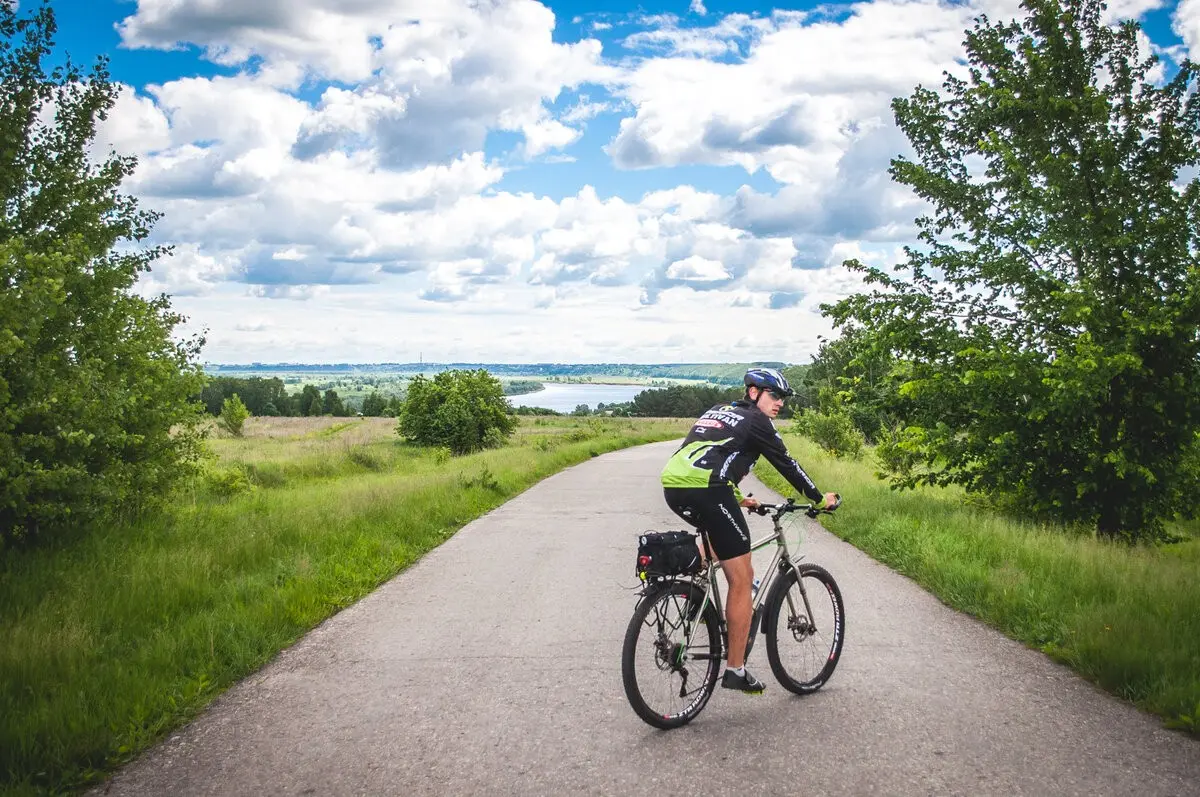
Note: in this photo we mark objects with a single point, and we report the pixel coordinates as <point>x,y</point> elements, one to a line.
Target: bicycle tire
<point>669,603</point>
<point>783,625</point>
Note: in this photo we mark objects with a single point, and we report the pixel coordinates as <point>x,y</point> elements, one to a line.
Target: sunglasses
<point>776,395</point>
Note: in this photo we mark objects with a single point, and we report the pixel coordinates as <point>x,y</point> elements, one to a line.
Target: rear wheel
<point>804,637</point>
<point>671,656</point>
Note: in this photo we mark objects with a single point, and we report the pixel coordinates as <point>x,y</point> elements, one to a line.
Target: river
<point>566,396</point>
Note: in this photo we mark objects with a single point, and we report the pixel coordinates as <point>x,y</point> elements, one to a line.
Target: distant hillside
<point>723,373</point>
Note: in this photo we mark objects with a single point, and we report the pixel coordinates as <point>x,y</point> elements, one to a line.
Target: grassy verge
<point>1127,619</point>
<point>117,639</point>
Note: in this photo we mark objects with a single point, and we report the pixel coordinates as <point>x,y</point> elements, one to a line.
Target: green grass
<point>1127,619</point>
<point>111,642</point>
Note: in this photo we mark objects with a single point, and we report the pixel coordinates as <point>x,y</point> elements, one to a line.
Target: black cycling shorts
<point>716,511</point>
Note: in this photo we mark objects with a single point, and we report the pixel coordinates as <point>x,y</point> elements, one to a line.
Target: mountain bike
<point>678,637</point>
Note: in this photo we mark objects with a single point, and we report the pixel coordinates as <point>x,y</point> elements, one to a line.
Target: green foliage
<point>582,410</point>
<point>310,401</point>
<point>233,415</point>
<point>1049,317</point>
<point>111,643</point>
<point>523,410</point>
<point>261,396</point>
<point>854,375</point>
<point>1124,617</point>
<point>833,431</point>
<point>225,482</point>
<point>462,410</point>
<point>374,405</point>
<point>91,379</point>
<point>332,404</point>
<point>681,401</point>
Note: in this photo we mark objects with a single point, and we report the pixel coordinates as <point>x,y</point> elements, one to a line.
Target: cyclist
<point>700,485</point>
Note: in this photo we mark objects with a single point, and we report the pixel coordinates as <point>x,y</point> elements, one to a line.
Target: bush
<point>833,431</point>
<point>462,410</point>
<point>233,415</point>
<point>96,420</point>
<point>228,482</point>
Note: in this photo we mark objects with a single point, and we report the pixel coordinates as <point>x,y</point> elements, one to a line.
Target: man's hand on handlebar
<point>829,503</point>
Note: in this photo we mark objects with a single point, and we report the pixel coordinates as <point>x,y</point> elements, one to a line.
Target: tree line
<point>268,396</point>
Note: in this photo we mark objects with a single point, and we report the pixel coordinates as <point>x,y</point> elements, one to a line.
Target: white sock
<point>740,671</point>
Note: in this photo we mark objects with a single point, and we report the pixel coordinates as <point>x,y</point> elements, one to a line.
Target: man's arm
<point>771,445</point>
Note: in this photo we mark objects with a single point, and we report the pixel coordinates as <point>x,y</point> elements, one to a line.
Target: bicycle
<point>682,619</point>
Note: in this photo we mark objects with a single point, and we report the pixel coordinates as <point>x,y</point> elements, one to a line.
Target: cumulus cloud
<point>456,67</point>
<point>350,164</point>
<point>1186,24</point>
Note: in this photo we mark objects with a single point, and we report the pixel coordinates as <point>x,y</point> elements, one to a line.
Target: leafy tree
<point>852,376</point>
<point>681,401</point>
<point>233,415</point>
<point>459,409</point>
<point>374,404</point>
<point>91,380</point>
<point>581,410</point>
<point>1050,314</point>
<point>332,404</point>
<point>255,392</point>
<point>310,397</point>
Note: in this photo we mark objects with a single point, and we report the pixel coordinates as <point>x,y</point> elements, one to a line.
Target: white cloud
<point>697,7</point>
<point>697,269</point>
<point>349,166</point>
<point>1186,24</point>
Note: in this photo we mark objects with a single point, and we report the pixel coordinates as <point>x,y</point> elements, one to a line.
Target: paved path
<point>492,666</point>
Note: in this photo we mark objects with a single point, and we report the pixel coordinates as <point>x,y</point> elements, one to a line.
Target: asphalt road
<point>492,666</point>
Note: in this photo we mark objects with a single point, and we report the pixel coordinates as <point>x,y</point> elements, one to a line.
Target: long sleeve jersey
<point>724,444</point>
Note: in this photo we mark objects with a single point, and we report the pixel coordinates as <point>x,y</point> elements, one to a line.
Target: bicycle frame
<point>781,558</point>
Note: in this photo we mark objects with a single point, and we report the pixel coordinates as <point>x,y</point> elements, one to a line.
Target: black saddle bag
<point>667,553</point>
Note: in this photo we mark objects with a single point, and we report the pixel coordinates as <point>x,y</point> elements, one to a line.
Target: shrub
<point>462,410</point>
<point>833,431</point>
<point>233,415</point>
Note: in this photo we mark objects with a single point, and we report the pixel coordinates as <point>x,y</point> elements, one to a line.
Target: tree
<point>853,377</point>
<point>332,404</point>
<point>233,415</point>
<point>581,409</point>
<point>459,409</point>
<point>310,397</point>
<point>1049,316</point>
<point>681,401</point>
<point>374,404</point>
<point>96,416</point>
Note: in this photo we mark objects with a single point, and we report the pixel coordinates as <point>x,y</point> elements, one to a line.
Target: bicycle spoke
<point>668,676</point>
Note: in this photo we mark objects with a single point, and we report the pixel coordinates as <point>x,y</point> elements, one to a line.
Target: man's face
<point>769,402</point>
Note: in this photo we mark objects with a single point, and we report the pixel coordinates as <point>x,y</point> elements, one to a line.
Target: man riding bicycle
<point>700,485</point>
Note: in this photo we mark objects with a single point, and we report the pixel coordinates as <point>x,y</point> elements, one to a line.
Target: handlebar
<point>779,510</point>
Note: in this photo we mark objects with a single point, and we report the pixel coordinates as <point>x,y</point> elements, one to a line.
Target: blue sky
<point>519,180</point>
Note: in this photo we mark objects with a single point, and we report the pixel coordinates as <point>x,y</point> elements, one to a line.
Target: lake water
<point>565,397</point>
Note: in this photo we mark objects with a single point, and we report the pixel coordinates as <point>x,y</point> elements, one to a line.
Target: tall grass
<point>1127,619</point>
<point>113,641</point>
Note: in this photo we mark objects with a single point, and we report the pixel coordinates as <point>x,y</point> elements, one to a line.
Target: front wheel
<point>671,655</point>
<point>805,625</point>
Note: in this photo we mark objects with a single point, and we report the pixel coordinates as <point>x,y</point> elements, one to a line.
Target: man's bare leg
<point>739,572</point>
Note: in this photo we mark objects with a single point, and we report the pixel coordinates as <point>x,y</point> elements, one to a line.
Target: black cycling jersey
<point>724,444</point>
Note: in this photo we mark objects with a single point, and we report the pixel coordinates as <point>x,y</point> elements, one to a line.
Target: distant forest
<point>721,373</point>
